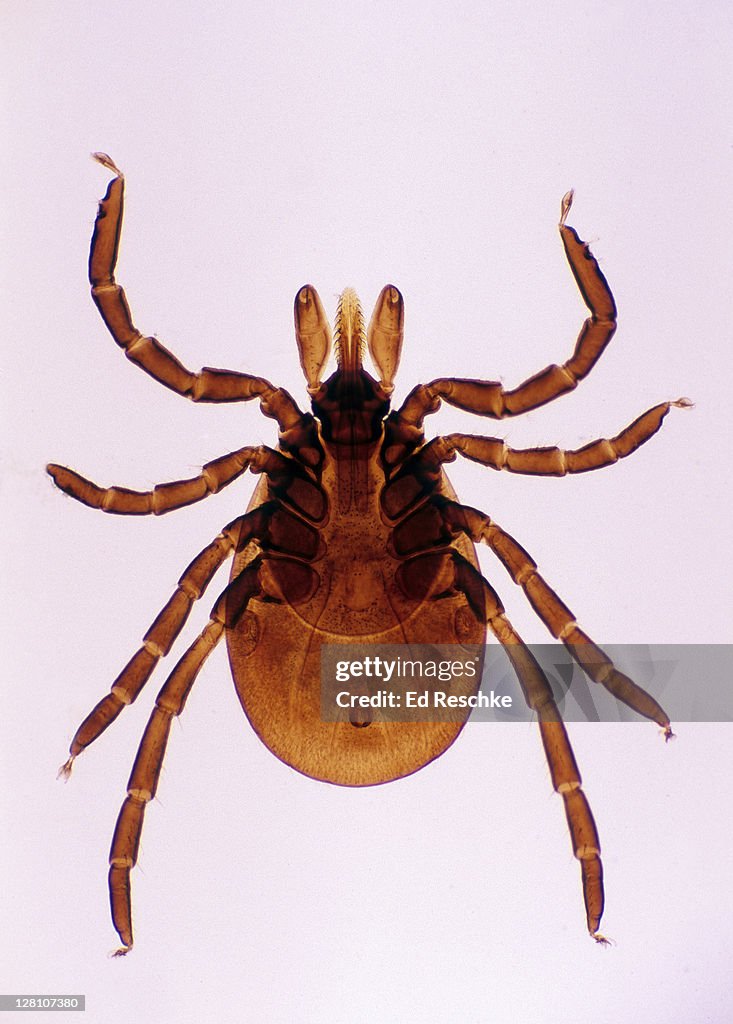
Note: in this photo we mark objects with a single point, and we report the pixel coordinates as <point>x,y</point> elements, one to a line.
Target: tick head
<point>383,337</point>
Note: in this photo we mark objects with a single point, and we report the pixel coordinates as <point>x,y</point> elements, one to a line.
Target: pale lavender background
<point>353,144</point>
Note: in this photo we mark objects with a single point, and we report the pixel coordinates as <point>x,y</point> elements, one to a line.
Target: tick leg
<point>564,772</point>
<point>495,453</point>
<point>143,781</point>
<point>208,385</point>
<point>489,398</point>
<point>274,528</point>
<point>556,616</point>
<point>158,640</point>
<point>255,580</point>
<point>164,497</point>
<point>418,475</point>
<point>437,574</point>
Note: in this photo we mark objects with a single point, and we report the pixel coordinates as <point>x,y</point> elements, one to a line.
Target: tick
<point>353,533</point>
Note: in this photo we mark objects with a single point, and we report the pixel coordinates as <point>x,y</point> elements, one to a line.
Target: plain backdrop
<point>426,144</point>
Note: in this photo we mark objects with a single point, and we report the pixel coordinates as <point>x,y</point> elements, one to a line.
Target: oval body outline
<point>278,676</point>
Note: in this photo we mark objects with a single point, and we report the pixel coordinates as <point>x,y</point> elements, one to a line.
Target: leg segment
<point>564,772</point>
<point>489,398</point>
<point>288,479</point>
<point>274,529</point>
<point>143,781</point>
<point>562,623</point>
<point>566,779</point>
<point>270,578</point>
<point>495,453</point>
<point>164,497</point>
<point>419,475</point>
<point>436,523</point>
<point>208,385</point>
<point>158,640</point>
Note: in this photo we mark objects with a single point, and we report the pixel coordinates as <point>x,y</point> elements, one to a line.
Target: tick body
<point>353,533</point>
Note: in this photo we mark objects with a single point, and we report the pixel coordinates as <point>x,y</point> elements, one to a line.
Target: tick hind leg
<point>441,573</point>
<point>566,779</point>
<point>282,574</point>
<point>143,782</point>
<point>257,580</point>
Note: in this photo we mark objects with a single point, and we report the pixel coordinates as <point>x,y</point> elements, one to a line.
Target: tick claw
<point>108,162</point>
<point>567,202</point>
<point>122,951</point>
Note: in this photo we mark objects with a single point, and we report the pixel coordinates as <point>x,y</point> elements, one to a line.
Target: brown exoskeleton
<point>353,533</point>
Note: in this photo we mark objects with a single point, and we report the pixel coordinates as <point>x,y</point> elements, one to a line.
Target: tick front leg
<point>209,384</point>
<point>489,398</point>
